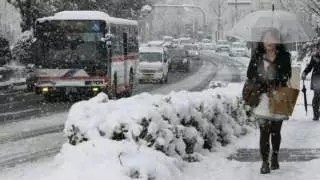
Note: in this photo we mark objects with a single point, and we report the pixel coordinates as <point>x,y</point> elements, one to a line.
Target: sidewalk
<point>300,150</point>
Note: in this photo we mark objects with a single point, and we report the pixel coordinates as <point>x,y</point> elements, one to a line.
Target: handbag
<point>251,93</point>
<point>282,100</point>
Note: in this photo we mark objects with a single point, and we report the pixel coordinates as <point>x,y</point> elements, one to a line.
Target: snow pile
<point>180,126</point>
<point>118,160</point>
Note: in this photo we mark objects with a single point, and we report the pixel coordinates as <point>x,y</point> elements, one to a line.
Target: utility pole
<point>236,6</point>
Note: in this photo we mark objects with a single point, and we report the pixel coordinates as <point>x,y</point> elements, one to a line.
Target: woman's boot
<point>265,169</point>
<point>274,161</point>
<point>264,145</point>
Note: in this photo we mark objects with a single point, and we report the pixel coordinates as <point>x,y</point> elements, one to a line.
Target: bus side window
<point>116,42</point>
<point>125,43</point>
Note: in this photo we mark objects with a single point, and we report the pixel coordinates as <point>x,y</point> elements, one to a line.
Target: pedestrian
<point>314,65</point>
<point>269,67</point>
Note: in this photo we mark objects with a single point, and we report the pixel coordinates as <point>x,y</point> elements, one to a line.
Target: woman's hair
<point>260,49</point>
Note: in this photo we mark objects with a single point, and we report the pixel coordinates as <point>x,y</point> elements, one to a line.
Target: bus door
<point>125,54</point>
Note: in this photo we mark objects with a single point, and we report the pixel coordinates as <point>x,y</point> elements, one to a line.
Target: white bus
<point>84,53</point>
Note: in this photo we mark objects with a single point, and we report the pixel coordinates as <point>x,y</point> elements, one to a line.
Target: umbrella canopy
<point>253,26</point>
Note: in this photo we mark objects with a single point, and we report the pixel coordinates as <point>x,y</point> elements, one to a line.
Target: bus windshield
<point>150,57</point>
<point>70,40</point>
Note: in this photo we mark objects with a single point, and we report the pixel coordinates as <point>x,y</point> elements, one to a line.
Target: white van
<point>153,65</point>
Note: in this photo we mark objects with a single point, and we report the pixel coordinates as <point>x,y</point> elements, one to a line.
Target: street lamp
<point>144,12</point>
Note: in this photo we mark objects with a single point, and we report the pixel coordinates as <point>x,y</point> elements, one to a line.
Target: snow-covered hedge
<point>21,50</point>
<point>180,125</point>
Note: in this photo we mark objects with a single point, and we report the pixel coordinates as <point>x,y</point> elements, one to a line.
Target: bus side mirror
<point>107,39</point>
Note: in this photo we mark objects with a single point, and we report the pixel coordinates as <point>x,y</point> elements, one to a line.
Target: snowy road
<point>18,105</point>
<point>39,130</point>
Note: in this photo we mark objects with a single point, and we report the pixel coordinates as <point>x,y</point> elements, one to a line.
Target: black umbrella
<point>304,90</point>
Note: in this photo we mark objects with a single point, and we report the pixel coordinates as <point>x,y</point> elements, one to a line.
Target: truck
<point>153,64</point>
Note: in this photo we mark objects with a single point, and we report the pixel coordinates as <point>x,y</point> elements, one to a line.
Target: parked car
<point>5,53</point>
<point>153,65</point>
<point>179,61</point>
<point>223,46</point>
<point>238,49</point>
<point>192,51</point>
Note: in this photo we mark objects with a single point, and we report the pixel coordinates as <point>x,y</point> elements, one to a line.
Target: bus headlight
<point>45,89</point>
<point>95,89</point>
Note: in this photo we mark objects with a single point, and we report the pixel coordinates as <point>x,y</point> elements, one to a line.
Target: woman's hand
<point>303,76</point>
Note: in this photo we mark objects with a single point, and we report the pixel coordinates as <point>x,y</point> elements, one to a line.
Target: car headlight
<point>184,61</point>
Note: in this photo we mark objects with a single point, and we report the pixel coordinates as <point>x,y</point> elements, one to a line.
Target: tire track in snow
<point>15,159</point>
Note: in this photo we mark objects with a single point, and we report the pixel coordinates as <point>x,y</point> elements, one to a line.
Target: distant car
<point>238,49</point>
<point>217,84</point>
<point>155,44</point>
<point>168,39</point>
<point>206,41</point>
<point>223,46</point>
<point>208,46</point>
<point>179,61</point>
<point>184,40</point>
<point>5,53</point>
<point>192,51</point>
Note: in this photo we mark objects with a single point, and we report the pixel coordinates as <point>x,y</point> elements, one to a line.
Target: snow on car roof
<point>160,43</point>
<point>87,15</point>
<point>151,49</point>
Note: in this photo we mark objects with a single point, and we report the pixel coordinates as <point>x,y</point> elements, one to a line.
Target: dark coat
<point>315,66</point>
<point>278,73</point>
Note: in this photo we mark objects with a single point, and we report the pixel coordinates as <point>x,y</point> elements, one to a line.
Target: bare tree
<point>314,6</point>
<point>218,8</point>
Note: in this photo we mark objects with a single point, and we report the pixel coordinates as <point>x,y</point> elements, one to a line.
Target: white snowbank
<point>116,160</point>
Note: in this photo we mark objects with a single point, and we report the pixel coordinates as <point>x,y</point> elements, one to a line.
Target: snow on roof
<point>151,49</point>
<point>87,15</point>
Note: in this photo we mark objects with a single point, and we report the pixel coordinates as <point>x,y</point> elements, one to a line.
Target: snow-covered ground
<point>129,158</point>
<point>103,155</point>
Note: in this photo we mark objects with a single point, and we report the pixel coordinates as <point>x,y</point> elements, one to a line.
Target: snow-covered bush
<point>21,51</point>
<point>179,126</point>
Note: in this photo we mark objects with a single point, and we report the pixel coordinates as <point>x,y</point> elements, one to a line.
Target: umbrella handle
<point>273,7</point>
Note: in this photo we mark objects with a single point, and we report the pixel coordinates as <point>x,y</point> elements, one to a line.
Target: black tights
<point>316,104</point>
<point>268,128</point>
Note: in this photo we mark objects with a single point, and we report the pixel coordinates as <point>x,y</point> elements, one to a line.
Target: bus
<point>82,53</point>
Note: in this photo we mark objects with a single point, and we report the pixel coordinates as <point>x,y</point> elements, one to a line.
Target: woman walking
<point>270,67</point>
